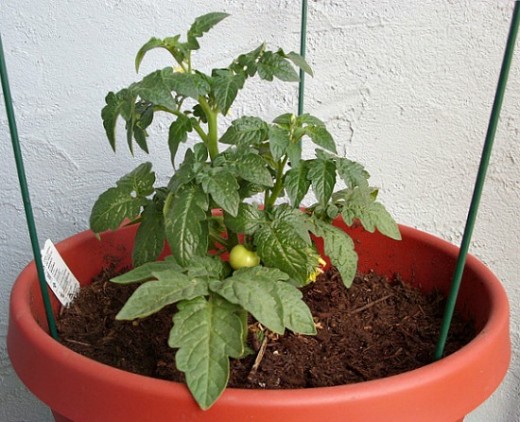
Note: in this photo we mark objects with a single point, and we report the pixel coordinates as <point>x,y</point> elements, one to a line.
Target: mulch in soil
<point>375,329</point>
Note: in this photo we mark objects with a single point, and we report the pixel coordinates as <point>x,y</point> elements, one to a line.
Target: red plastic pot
<point>79,389</point>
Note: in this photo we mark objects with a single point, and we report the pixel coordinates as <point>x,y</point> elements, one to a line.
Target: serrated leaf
<point>253,168</point>
<point>321,137</point>
<point>145,272</point>
<point>201,25</point>
<point>285,120</point>
<point>151,44</point>
<point>275,65</point>
<point>247,220</point>
<point>200,152</point>
<point>177,134</point>
<point>246,131</point>
<point>191,85</point>
<point>322,174</point>
<point>116,105</point>
<point>140,136</point>
<point>112,207</point>
<point>339,247</point>
<point>185,173</point>
<point>140,180</point>
<point>265,293</point>
<point>297,183</point>
<point>150,236</point>
<point>246,64</point>
<point>186,225</point>
<point>359,203</point>
<point>225,86</point>
<point>294,153</point>
<point>309,119</point>
<point>223,188</point>
<point>170,287</point>
<point>300,62</point>
<point>385,222</point>
<point>157,88</point>
<point>279,141</point>
<point>207,268</point>
<point>279,245</point>
<point>207,333</point>
<point>352,173</point>
<point>296,218</point>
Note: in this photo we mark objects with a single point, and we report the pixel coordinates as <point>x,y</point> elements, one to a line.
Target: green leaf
<point>247,220</point>
<point>296,218</point>
<point>285,120</point>
<point>186,225</point>
<point>322,174</point>
<point>200,152</point>
<point>178,133</point>
<point>225,85</point>
<point>321,137</point>
<point>294,153</point>
<point>246,131</point>
<point>339,247</point>
<point>123,201</point>
<point>223,188</point>
<point>112,207</point>
<point>207,333</point>
<point>207,268</point>
<point>253,168</point>
<point>186,172</point>
<point>352,173</point>
<point>279,141</point>
<point>300,62</point>
<point>202,25</point>
<point>157,88</point>
<point>247,63</point>
<point>275,65</point>
<point>191,85</point>
<point>116,105</point>
<point>151,44</point>
<point>309,119</point>
<point>140,180</point>
<point>170,287</point>
<point>279,245</point>
<point>384,222</point>
<point>359,203</point>
<point>145,272</point>
<point>265,293</point>
<point>150,236</point>
<point>297,183</point>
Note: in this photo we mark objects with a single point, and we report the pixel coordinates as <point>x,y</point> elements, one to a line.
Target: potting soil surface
<point>375,329</point>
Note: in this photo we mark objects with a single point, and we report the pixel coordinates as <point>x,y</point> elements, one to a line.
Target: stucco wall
<point>406,88</point>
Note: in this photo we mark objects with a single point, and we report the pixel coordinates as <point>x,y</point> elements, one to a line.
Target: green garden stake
<point>25,193</point>
<point>303,40</point>
<point>479,184</point>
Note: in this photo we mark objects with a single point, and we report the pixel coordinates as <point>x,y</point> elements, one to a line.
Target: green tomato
<point>241,257</point>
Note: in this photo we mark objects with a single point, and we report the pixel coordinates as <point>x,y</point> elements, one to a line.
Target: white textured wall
<point>406,88</point>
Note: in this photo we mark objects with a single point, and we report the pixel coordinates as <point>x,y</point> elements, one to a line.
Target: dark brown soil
<point>375,329</point>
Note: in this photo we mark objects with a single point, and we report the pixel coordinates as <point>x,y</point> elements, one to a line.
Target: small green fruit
<point>241,257</point>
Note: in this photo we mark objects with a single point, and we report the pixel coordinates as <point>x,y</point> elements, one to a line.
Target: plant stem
<point>278,186</point>
<point>211,115</point>
<point>243,314</point>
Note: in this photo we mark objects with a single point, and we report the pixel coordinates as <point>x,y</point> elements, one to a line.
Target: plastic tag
<point>59,277</point>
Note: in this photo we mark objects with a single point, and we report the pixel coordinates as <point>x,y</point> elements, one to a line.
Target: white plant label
<point>58,275</point>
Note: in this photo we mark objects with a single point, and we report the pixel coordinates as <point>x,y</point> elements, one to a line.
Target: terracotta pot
<point>79,389</point>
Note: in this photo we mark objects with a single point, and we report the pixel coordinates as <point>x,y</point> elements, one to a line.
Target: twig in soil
<point>369,305</point>
<point>258,359</point>
<point>77,342</point>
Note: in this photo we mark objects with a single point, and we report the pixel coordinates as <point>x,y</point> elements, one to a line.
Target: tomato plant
<point>252,158</point>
